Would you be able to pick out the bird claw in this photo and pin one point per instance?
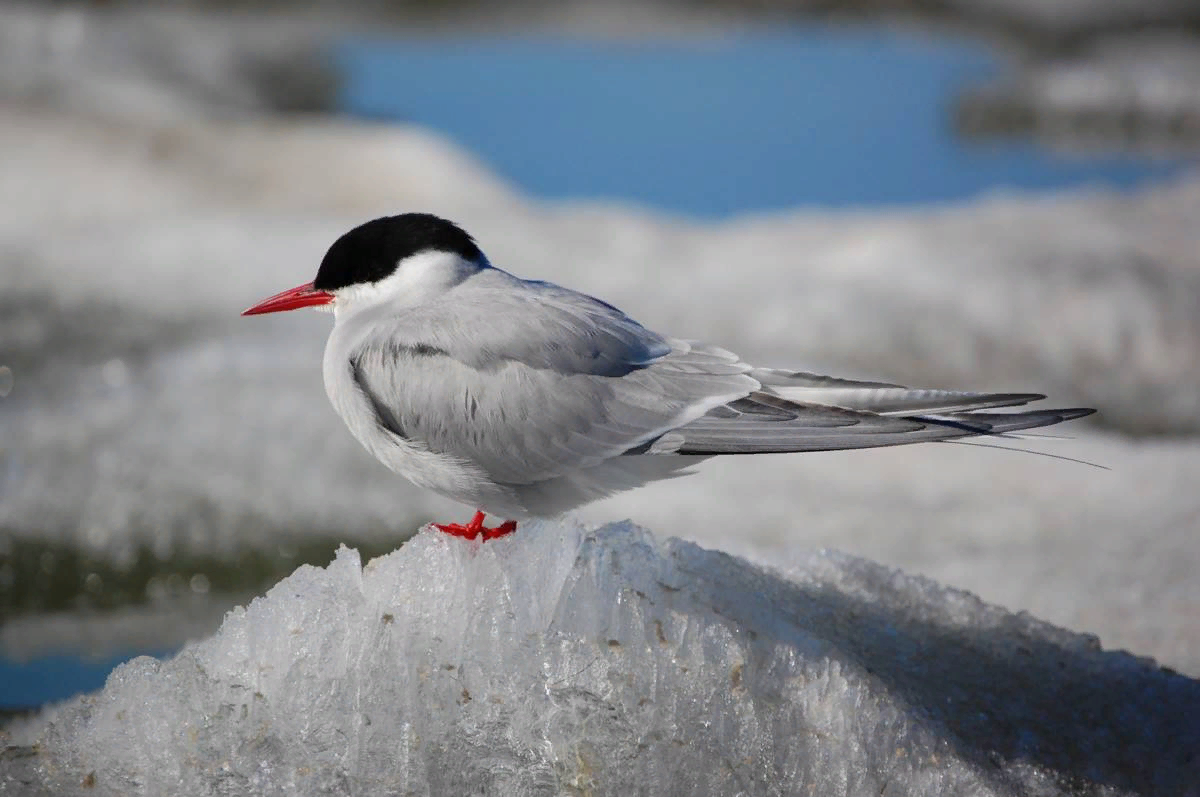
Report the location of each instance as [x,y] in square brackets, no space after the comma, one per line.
[475,529]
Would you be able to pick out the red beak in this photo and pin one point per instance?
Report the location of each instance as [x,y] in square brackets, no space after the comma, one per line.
[300,296]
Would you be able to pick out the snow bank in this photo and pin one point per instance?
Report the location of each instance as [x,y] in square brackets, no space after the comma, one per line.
[159,63]
[1117,92]
[1068,18]
[606,662]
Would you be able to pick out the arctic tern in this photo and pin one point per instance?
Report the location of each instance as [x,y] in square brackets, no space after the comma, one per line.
[526,399]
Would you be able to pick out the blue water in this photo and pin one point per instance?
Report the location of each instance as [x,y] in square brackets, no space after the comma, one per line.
[761,120]
[51,678]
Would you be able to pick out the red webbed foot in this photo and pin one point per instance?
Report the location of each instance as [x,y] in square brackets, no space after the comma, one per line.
[476,529]
[507,527]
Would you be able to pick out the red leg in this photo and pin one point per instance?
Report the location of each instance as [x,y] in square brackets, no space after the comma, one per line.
[476,528]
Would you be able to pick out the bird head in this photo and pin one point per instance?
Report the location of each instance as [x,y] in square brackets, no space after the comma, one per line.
[405,259]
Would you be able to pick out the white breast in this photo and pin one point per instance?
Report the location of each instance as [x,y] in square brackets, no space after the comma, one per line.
[450,476]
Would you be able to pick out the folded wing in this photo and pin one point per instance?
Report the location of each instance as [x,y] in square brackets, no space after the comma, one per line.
[533,382]
[766,422]
[556,383]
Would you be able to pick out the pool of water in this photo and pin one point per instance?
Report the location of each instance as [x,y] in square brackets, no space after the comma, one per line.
[25,685]
[757,120]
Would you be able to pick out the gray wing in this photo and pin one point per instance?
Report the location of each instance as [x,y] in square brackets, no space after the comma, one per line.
[764,423]
[529,381]
[796,411]
[533,382]
[879,397]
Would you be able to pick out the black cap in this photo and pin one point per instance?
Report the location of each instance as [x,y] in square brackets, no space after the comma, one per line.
[371,251]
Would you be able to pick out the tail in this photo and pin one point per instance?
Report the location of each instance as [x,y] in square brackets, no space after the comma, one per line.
[804,412]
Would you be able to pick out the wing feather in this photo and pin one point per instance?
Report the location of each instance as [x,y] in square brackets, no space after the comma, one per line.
[530,383]
[880,397]
[563,381]
[823,428]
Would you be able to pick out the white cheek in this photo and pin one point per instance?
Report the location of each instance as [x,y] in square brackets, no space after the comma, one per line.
[417,279]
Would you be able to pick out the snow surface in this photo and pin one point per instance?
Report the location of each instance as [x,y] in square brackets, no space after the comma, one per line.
[1067,17]
[1128,90]
[567,661]
[163,63]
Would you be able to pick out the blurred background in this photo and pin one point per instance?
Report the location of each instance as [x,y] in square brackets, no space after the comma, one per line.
[975,194]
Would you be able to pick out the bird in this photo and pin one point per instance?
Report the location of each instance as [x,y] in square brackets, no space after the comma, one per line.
[526,399]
